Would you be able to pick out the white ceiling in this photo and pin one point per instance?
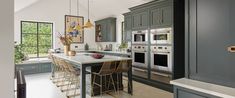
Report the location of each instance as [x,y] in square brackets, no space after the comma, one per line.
[99,8]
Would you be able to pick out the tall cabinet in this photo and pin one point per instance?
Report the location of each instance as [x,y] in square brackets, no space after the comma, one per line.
[152,15]
[210,33]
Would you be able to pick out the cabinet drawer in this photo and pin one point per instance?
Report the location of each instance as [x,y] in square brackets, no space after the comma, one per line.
[161,77]
[140,72]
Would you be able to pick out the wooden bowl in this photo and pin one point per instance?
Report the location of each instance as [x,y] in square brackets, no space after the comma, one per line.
[72,53]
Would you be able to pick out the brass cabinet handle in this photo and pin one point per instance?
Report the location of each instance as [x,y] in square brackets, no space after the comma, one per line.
[231,49]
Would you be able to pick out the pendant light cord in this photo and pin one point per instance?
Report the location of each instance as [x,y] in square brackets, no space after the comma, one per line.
[70,7]
[77,7]
[88,9]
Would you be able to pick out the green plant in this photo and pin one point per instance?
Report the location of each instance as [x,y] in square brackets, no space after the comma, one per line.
[123,45]
[19,54]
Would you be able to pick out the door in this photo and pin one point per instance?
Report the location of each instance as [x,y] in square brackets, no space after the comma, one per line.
[167,16]
[211,31]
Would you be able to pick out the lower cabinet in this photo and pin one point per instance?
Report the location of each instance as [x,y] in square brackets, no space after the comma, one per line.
[180,92]
[34,68]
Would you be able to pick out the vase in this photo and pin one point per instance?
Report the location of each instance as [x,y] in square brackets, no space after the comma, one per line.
[66,49]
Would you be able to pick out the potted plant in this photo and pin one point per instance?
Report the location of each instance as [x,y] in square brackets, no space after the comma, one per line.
[19,54]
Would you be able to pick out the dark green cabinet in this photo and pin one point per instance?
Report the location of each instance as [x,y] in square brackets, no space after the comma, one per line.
[127,27]
[161,16]
[33,68]
[187,93]
[106,30]
[140,19]
[210,32]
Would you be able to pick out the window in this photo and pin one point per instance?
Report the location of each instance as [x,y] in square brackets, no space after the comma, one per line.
[36,38]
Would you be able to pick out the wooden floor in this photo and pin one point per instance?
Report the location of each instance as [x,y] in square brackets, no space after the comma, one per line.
[40,86]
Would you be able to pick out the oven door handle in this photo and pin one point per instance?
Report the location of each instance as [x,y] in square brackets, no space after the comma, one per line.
[140,70]
[161,74]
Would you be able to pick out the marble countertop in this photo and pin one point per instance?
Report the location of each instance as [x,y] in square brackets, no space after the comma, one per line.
[85,58]
[113,52]
[208,88]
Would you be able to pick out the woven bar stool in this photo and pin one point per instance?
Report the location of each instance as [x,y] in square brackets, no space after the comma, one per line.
[57,70]
[73,79]
[106,70]
[123,67]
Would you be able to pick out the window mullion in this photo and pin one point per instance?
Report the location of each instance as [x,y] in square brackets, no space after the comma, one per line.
[37,40]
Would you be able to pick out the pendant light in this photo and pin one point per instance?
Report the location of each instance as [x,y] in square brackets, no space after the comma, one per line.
[88,23]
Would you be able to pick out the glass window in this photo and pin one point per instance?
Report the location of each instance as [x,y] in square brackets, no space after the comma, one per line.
[36,38]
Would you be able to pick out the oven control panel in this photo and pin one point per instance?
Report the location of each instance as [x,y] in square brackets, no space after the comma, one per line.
[161,48]
[139,48]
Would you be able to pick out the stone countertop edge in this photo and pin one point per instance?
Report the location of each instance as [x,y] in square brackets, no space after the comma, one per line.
[208,88]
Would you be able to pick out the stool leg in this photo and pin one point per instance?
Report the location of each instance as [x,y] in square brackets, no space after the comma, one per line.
[113,83]
[101,84]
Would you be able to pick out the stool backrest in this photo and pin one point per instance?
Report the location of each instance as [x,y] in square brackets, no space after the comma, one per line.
[123,66]
[107,68]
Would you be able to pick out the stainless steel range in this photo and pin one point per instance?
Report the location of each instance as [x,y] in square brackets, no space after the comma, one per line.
[161,58]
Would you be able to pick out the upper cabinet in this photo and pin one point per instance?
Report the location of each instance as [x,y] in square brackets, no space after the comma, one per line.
[161,16]
[127,27]
[140,19]
[105,30]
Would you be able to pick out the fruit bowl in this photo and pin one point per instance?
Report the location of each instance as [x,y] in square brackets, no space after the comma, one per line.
[97,55]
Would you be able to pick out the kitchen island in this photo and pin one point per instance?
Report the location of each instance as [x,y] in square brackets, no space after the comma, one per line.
[84,61]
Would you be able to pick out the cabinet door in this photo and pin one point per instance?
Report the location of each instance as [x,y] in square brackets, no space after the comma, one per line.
[167,16]
[144,19]
[155,17]
[103,32]
[211,32]
[127,23]
[136,19]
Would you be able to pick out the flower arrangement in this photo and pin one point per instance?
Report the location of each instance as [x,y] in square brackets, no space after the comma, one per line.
[66,40]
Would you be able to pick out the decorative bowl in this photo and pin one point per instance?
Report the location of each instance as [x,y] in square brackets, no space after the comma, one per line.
[97,55]
[72,53]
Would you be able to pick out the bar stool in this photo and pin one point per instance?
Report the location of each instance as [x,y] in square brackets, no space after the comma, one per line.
[57,70]
[107,69]
[74,79]
[123,67]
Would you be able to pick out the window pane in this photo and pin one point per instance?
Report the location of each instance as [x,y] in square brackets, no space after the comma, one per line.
[29,27]
[29,39]
[31,51]
[43,50]
[44,40]
[45,28]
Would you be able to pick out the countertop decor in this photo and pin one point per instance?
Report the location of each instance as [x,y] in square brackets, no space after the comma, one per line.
[66,40]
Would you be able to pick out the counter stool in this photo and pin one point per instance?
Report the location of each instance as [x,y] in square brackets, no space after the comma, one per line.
[73,79]
[107,69]
[123,67]
[57,74]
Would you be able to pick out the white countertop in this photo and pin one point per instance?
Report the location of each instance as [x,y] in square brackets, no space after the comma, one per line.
[113,52]
[208,88]
[82,58]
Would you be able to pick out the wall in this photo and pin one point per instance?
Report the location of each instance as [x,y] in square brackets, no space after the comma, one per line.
[44,11]
[7,49]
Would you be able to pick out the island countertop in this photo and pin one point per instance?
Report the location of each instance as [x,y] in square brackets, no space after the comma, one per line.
[85,58]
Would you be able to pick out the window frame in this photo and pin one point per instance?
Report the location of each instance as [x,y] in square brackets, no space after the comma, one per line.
[37,35]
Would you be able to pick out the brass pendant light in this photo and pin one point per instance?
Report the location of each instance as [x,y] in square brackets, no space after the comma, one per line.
[88,24]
